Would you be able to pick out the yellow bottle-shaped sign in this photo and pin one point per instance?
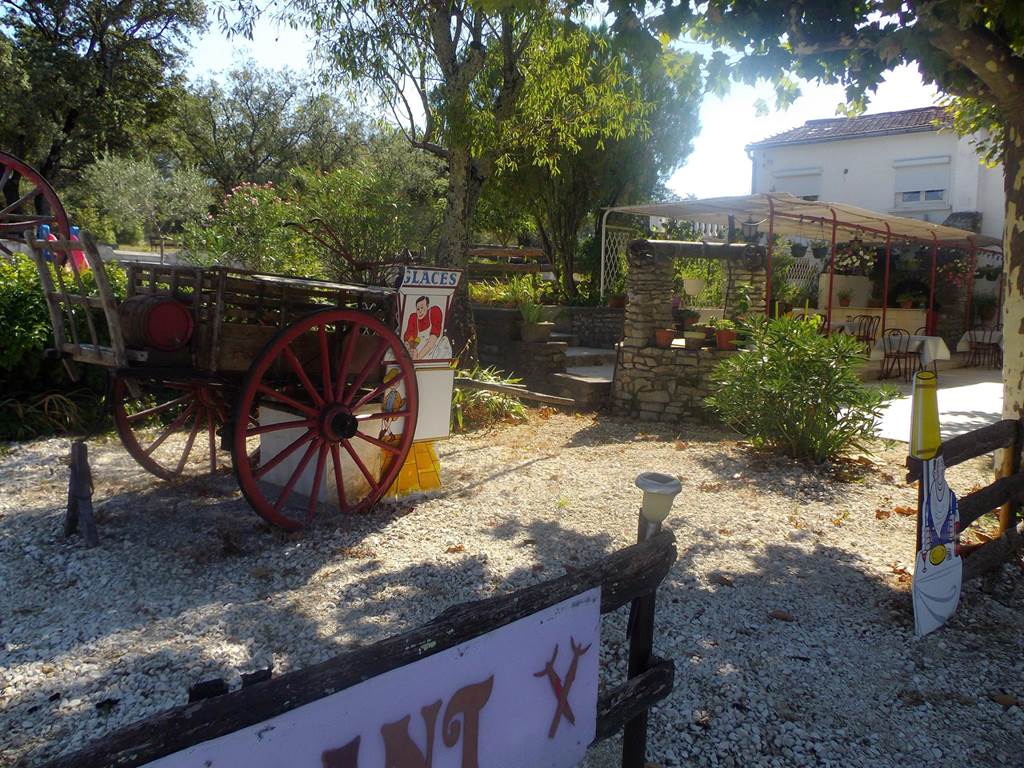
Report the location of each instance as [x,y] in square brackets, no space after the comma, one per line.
[924,417]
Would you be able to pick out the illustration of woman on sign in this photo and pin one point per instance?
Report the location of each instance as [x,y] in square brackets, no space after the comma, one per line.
[424,334]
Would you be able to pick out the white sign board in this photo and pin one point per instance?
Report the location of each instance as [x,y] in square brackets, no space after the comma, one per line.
[424,300]
[522,696]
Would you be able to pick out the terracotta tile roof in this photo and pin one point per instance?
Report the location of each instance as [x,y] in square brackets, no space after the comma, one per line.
[838,128]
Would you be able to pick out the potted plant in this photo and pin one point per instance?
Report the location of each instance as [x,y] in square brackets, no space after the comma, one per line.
[819,248]
[799,250]
[844,297]
[617,292]
[693,285]
[906,299]
[534,328]
[685,318]
[694,339]
[663,337]
[725,332]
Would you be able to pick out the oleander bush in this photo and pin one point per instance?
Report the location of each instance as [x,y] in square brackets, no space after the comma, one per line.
[796,391]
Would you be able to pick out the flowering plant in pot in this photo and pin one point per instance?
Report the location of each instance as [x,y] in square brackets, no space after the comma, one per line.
[844,297]
[534,328]
[725,332]
[854,258]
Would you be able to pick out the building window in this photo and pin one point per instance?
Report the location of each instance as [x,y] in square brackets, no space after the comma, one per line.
[804,183]
[922,182]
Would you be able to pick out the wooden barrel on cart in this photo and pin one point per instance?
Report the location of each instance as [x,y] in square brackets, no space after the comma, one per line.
[156,321]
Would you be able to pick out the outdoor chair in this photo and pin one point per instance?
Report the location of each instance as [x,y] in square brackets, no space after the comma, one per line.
[897,355]
[984,349]
[865,327]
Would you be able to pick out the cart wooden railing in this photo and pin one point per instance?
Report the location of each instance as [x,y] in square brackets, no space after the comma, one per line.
[1005,493]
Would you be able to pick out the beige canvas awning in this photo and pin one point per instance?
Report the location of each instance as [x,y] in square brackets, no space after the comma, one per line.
[796,217]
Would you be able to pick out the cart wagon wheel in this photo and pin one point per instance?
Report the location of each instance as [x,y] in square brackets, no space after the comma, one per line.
[33,203]
[328,397]
[171,428]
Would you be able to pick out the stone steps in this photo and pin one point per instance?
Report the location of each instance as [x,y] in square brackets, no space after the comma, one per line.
[569,338]
[589,385]
[588,356]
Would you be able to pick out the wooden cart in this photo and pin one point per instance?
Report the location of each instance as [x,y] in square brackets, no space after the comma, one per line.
[304,384]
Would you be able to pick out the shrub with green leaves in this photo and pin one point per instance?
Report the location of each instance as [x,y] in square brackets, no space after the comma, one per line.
[477,408]
[36,395]
[794,390]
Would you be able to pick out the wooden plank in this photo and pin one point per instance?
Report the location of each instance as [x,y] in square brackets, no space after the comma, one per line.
[974,505]
[520,392]
[675,249]
[978,442]
[618,706]
[490,270]
[99,272]
[623,575]
[992,554]
[504,252]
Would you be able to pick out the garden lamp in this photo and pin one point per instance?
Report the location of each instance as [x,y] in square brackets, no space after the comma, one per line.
[659,492]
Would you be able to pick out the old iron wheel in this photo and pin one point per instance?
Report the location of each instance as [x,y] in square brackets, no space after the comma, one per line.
[331,395]
[37,203]
[147,424]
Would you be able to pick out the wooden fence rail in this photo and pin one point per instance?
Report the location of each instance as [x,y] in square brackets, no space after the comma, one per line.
[1004,494]
[630,573]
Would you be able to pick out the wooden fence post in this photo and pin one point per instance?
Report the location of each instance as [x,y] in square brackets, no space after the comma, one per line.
[1010,465]
[640,631]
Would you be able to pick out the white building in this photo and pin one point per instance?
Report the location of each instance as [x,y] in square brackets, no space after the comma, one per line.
[908,163]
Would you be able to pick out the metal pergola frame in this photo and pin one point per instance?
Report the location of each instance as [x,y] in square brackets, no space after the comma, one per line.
[789,215]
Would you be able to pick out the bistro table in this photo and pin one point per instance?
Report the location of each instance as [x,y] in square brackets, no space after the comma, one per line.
[964,345]
[928,349]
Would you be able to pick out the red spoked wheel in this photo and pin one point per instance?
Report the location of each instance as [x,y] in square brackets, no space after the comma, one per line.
[335,391]
[171,428]
[30,202]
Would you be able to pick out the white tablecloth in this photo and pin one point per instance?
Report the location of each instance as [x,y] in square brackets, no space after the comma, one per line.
[930,349]
[964,345]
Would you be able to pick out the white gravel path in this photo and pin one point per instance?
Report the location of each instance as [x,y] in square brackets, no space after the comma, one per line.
[189,584]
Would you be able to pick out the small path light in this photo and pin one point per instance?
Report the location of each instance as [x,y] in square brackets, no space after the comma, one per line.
[659,492]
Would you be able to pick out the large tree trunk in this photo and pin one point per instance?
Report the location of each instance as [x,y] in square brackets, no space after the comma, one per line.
[465,182]
[1013,271]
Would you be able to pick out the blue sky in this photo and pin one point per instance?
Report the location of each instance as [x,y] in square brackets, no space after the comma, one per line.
[718,164]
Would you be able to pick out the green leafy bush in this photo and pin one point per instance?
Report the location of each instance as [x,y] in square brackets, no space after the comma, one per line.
[476,408]
[38,397]
[793,390]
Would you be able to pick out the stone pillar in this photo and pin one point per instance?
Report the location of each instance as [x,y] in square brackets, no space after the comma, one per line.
[649,299]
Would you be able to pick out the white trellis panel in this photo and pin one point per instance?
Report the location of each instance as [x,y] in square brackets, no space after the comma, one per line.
[613,258]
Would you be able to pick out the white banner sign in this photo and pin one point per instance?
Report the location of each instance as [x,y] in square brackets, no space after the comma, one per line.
[522,696]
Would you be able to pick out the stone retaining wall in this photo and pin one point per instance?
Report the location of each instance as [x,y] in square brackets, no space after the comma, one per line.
[500,346]
[599,327]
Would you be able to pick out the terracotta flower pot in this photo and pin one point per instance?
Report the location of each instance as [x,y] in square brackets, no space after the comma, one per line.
[617,302]
[725,339]
[909,304]
[663,337]
[844,302]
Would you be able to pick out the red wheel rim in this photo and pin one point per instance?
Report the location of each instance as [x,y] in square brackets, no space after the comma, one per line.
[24,213]
[151,427]
[325,374]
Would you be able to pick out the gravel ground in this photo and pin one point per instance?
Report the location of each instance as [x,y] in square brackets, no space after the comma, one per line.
[787,613]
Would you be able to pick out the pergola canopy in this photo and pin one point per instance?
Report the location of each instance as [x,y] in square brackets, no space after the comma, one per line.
[794,216]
